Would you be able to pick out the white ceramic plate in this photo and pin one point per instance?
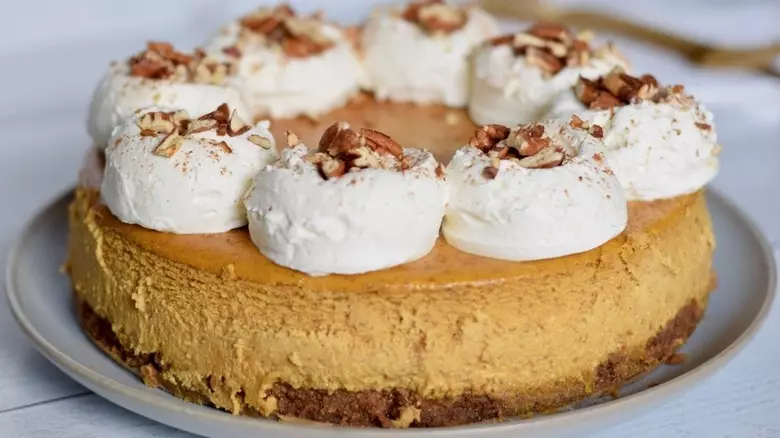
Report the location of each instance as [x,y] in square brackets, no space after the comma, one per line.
[40,297]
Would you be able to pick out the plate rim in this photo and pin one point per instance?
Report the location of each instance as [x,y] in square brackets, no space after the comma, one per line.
[629,402]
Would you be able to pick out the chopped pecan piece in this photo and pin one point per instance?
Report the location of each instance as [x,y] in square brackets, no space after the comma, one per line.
[545,60]
[338,138]
[550,46]
[298,37]
[161,61]
[577,122]
[544,159]
[605,100]
[435,16]
[502,40]
[551,31]
[381,143]
[586,91]
[332,168]
[263,142]
[618,88]
[169,145]
[292,139]
[529,140]
[237,125]
[364,157]
[357,149]
[488,136]
[202,125]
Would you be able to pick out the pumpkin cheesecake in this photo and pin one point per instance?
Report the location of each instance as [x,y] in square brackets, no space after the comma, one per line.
[448,339]
[295,268]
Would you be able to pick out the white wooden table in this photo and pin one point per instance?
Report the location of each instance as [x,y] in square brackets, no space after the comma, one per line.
[45,87]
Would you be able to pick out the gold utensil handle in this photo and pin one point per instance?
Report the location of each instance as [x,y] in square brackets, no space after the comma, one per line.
[760,58]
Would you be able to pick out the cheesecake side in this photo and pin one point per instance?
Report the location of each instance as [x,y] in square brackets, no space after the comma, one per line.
[237,332]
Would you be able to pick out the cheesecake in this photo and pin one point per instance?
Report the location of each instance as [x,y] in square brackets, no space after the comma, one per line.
[381,261]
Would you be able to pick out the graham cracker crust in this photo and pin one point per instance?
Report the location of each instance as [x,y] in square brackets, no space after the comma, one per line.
[390,408]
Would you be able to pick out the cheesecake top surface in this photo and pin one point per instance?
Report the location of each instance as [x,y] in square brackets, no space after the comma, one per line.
[216,253]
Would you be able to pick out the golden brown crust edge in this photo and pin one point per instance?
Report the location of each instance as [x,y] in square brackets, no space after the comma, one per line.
[402,407]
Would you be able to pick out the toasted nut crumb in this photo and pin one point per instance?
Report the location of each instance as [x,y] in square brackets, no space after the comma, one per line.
[440,171]
[490,172]
[222,145]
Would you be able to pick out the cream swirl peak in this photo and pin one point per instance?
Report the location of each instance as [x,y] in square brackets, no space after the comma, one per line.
[421,54]
[517,76]
[659,140]
[533,192]
[278,53]
[361,203]
[168,172]
[160,76]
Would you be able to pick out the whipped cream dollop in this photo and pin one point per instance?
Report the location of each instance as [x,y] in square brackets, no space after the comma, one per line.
[289,66]
[167,172]
[534,192]
[361,204]
[660,142]
[421,55]
[517,77]
[159,76]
